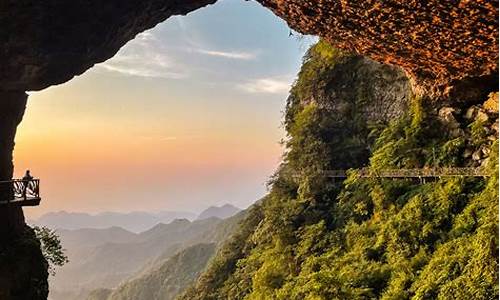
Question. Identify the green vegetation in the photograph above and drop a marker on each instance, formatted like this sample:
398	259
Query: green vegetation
51	247
167	281
185	249
366	238
223	264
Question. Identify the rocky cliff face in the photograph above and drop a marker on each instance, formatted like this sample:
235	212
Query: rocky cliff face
354	93
23	269
437	42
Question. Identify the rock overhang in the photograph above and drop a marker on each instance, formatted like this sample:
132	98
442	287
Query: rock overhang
438	43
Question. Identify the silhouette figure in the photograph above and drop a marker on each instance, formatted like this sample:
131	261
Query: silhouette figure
26	181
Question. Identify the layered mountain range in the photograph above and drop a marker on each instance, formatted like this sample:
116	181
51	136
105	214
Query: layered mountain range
104	258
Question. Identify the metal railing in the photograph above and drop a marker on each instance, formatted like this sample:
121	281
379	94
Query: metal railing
410	173
18	190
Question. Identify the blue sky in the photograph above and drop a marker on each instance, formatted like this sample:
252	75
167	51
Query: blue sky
232	45
185	116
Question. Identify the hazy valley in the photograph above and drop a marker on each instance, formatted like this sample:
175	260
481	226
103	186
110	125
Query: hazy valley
104	258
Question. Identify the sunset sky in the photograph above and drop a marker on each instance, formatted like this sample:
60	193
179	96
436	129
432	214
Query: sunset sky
185	116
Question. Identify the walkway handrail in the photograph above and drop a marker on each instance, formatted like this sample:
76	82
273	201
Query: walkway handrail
412	173
18	180
20	189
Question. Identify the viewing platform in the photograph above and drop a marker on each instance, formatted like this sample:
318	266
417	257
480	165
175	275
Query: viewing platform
20	192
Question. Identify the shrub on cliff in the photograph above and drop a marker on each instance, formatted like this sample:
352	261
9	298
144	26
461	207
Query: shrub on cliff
51	247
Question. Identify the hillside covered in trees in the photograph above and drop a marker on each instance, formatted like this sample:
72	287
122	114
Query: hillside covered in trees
178	252
114	258
314	237
165	282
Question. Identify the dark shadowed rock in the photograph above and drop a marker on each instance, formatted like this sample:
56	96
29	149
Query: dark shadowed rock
48	42
23	269
11	113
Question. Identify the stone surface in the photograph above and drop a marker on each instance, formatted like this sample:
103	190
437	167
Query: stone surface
491	105
477	155
494	126
457	132
448	47
23	269
485	150
359	94
437	42
467	153
375	91
478	141
471	112
482	116
11	113
446	116
485	162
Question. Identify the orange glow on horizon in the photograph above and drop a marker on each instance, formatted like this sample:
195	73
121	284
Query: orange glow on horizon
93	162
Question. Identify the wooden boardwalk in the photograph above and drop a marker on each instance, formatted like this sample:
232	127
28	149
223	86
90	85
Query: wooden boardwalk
411	173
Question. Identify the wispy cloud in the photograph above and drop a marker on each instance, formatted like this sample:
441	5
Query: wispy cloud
194	42
229	54
147	56
270	85
155	66
144	57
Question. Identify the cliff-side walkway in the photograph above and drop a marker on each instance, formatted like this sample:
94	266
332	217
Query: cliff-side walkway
411	173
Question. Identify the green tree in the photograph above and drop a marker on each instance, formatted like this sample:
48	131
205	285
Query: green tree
52	248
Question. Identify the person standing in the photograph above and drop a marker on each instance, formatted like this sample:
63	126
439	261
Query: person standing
26	181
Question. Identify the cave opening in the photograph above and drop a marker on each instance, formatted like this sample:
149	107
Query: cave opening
167	125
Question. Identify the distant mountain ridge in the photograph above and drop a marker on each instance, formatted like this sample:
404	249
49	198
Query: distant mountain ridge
91	237
102	258
110	248
168	275
222	212
171	278
133	221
